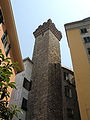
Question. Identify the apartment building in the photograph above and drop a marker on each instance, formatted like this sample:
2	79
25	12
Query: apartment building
9	43
78	37
23	81
69	94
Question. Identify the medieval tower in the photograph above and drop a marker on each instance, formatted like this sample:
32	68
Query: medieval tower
45	97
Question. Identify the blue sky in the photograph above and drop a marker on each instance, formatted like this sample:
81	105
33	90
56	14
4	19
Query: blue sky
29	14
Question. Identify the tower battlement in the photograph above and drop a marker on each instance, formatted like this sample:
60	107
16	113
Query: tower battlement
48	26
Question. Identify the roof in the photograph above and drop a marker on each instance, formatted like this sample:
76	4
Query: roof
84	20
67	69
27	58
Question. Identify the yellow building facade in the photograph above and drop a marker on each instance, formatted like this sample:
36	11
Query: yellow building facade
78	36
9	43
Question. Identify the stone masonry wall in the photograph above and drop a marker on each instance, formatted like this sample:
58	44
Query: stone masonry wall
45	98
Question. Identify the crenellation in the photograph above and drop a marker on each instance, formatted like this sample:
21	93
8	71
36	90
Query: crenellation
48	26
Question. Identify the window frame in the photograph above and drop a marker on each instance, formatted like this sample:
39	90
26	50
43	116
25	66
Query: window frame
8	49
88	50
66	76
68	92
70	113
87	39
83	30
27	84
1	16
24	104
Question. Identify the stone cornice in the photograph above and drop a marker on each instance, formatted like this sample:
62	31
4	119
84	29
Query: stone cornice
48	26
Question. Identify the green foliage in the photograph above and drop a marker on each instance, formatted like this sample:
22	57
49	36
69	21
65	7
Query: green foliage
6	112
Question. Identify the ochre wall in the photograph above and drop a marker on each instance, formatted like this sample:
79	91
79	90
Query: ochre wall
11	29
2	29
82	71
9	25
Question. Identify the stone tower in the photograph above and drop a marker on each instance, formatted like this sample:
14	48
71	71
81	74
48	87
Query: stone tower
45	97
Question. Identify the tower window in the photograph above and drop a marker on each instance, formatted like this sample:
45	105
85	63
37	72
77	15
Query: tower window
83	30
86	39
26	84
24	104
88	50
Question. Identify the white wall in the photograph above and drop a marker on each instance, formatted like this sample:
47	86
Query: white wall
17	95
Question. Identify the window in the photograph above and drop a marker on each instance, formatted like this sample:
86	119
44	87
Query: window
4	36
83	30
1	17
24	104
4	39
66	76
70	113
88	50
5	43
86	39
26	84
68	92
8	49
